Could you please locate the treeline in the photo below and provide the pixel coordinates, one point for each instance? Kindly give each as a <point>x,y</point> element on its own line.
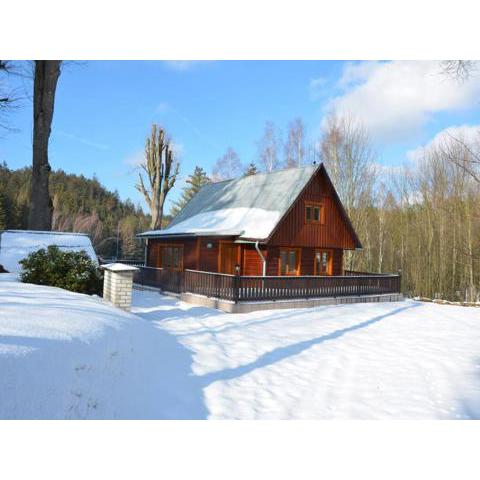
<point>80,204</point>
<point>274,151</point>
<point>421,219</point>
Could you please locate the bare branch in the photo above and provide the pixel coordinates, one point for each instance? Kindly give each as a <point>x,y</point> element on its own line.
<point>460,70</point>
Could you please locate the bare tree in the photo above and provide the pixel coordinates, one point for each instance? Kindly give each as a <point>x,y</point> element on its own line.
<point>294,146</point>
<point>459,69</point>
<point>227,166</point>
<point>161,171</point>
<point>268,148</point>
<point>347,153</point>
<point>45,84</point>
<point>463,153</point>
<point>6,96</point>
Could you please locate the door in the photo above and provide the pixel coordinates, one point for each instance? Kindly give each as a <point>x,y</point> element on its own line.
<point>229,257</point>
<point>289,262</point>
<point>323,262</point>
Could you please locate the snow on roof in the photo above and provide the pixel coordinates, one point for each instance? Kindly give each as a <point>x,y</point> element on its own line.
<point>18,244</point>
<point>248,207</point>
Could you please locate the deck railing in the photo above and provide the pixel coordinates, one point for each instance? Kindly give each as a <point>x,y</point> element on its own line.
<point>125,261</point>
<point>257,288</point>
<point>356,273</point>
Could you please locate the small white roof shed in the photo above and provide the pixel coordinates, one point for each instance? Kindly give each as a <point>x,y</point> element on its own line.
<point>15,245</point>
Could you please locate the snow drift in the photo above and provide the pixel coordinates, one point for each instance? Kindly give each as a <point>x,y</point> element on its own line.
<point>69,356</point>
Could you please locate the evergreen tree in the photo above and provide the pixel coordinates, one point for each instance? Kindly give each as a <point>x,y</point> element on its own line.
<point>80,204</point>
<point>251,169</point>
<point>3,211</point>
<point>195,182</point>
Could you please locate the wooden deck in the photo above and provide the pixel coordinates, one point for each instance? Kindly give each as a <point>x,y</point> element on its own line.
<point>236,288</point>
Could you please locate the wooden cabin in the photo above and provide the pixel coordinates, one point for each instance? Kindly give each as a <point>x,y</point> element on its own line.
<point>285,223</point>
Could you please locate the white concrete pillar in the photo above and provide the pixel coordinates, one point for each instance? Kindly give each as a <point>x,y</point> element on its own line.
<point>118,284</point>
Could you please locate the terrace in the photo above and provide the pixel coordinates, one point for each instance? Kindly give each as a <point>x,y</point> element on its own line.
<point>224,290</point>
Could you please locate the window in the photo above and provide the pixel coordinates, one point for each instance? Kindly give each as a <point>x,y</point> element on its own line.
<point>323,262</point>
<point>172,257</point>
<point>314,213</point>
<point>289,261</point>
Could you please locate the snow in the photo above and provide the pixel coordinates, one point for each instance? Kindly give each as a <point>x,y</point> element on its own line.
<point>243,221</point>
<point>119,267</point>
<point>402,360</point>
<point>15,245</point>
<point>69,356</point>
<point>66,355</point>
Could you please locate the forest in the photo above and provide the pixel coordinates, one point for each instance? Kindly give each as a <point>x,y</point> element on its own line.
<point>79,205</point>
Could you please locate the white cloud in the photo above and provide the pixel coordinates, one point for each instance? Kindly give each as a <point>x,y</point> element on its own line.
<point>182,65</point>
<point>177,149</point>
<point>396,99</point>
<point>85,141</point>
<point>465,133</point>
<point>134,160</point>
<point>162,107</point>
<point>316,87</point>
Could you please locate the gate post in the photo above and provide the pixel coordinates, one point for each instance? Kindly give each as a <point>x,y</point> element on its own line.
<point>117,284</point>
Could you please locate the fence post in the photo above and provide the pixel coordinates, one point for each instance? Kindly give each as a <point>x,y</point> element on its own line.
<point>235,285</point>
<point>182,281</point>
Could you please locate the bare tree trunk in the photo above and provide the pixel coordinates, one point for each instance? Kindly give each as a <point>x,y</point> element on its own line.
<point>158,166</point>
<point>45,84</point>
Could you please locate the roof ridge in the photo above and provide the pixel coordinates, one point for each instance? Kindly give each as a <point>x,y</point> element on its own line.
<point>266,173</point>
<point>44,232</point>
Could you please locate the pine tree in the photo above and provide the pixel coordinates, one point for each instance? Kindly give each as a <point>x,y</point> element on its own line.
<point>251,169</point>
<point>194,183</point>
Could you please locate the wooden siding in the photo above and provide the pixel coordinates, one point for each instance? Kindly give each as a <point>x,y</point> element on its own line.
<point>189,251</point>
<point>209,256</point>
<point>198,257</point>
<point>338,262</point>
<point>306,261</point>
<point>295,232</point>
<point>251,261</point>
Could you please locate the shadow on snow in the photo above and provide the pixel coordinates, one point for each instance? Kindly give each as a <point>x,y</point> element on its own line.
<point>191,387</point>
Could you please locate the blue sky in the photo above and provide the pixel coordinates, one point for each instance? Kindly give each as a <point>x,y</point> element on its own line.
<point>104,110</point>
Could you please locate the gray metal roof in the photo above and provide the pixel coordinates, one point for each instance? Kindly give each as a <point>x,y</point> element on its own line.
<point>272,193</point>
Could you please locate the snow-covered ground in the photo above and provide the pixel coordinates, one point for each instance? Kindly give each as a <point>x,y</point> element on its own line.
<point>65,355</point>
<point>405,360</point>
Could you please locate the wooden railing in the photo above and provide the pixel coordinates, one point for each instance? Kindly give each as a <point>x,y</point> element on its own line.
<point>218,285</point>
<point>277,288</point>
<point>256,288</point>
<point>125,261</point>
<point>356,273</point>
<point>167,280</point>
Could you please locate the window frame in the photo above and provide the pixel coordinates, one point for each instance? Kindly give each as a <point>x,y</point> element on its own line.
<point>312,205</point>
<point>330,261</point>
<point>298,253</point>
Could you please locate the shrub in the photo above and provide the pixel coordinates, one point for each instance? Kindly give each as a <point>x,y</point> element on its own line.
<point>74,271</point>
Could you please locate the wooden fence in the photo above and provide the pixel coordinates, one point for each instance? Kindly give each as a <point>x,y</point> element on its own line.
<point>256,288</point>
